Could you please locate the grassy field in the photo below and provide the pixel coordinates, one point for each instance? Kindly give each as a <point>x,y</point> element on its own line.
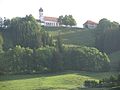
<point>61,81</point>
<point>75,36</point>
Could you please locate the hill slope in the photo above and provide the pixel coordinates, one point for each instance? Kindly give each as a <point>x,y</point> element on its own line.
<point>75,36</point>
<point>64,81</point>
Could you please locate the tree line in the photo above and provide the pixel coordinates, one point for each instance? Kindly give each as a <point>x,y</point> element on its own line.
<point>21,60</point>
<point>26,48</point>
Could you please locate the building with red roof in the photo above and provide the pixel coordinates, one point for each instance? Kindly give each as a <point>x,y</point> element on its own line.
<point>90,24</point>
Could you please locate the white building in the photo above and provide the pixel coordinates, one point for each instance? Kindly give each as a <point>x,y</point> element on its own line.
<point>48,21</point>
<point>90,24</point>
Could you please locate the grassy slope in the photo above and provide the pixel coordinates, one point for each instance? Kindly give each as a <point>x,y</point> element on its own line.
<point>115,58</point>
<point>75,36</point>
<point>64,81</point>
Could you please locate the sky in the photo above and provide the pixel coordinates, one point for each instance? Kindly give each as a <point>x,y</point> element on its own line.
<point>82,10</point>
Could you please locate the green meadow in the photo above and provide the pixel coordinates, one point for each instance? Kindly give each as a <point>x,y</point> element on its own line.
<point>58,81</point>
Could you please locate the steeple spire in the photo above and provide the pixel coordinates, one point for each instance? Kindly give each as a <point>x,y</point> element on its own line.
<point>40,10</point>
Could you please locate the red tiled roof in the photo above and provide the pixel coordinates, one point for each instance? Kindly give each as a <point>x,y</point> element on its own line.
<point>90,22</point>
<point>54,19</point>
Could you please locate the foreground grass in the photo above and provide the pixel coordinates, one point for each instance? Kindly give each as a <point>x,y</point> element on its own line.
<point>64,81</point>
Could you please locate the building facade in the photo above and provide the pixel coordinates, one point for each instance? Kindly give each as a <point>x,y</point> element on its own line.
<point>47,21</point>
<point>90,24</point>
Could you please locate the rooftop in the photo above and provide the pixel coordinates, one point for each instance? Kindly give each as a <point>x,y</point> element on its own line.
<point>90,22</point>
<point>54,19</point>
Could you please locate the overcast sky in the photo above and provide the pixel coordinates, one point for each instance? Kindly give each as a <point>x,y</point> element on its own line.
<point>81,10</point>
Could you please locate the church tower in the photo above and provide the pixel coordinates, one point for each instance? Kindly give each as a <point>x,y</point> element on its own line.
<point>41,17</point>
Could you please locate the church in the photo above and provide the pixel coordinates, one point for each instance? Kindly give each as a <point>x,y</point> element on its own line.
<point>47,20</point>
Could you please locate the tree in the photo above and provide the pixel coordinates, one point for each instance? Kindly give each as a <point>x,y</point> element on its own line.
<point>72,21</point>
<point>6,23</point>
<point>1,22</point>
<point>60,20</point>
<point>1,43</point>
<point>85,59</point>
<point>23,31</point>
<point>104,24</point>
<point>67,20</point>
<point>57,62</point>
<point>59,43</point>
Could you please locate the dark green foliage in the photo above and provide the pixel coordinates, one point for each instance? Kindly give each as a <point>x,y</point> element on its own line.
<point>2,63</point>
<point>20,60</point>
<point>67,20</point>
<point>46,39</point>
<point>90,83</point>
<point>25,60</point>
<point>24,32</point>
<point>1,23</point>
<point>27,50</point>
<point>85,58</point>
<point>107,36</point>
<point>59,45</point>
<point>43,59</point>
<point>111,82</point>
<point>60,20</point>
<point>1,42</point>
<point>57,62</point>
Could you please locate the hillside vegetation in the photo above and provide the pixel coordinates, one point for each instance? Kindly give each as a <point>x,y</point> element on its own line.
<point>115,59</point>
<point>75,36</point>
<point>26,48</point>
<point>62,81</point>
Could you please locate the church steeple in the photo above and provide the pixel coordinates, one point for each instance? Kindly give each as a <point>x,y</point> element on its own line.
<point>40,10</point>
<point>41,17</point>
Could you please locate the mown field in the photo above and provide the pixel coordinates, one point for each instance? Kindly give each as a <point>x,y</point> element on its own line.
<point>75,36</point>
<point>59,81</point>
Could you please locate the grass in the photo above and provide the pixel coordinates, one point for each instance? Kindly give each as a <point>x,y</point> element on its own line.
<point>75,36</point>
<point>61,81</point>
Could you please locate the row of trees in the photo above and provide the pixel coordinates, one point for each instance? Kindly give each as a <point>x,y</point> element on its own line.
<point>67,20</point>
<point>20,60</point>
